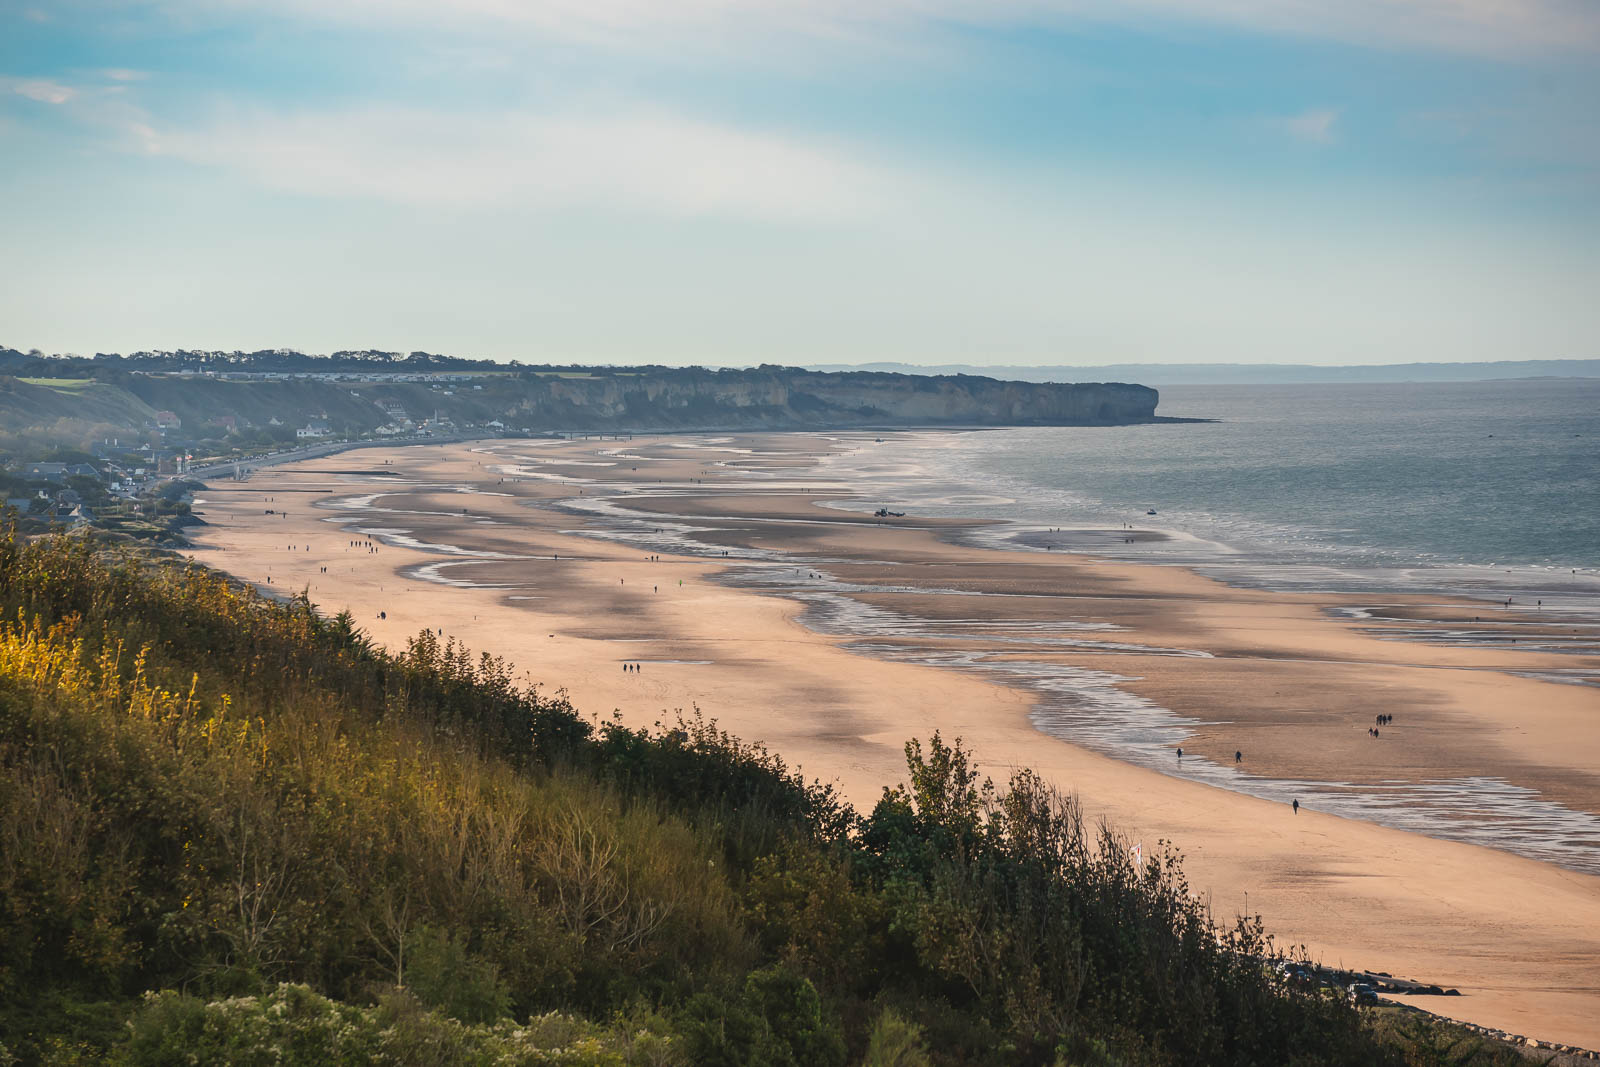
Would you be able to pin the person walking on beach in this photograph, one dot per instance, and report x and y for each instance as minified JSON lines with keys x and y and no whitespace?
{"x":1238,"y":757}
{"x":1297,"y":806}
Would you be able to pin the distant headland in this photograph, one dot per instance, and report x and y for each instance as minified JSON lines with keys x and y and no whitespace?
{"x":351,"y":394}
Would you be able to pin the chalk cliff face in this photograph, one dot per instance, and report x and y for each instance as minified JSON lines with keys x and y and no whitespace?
{"x":773,"y":397}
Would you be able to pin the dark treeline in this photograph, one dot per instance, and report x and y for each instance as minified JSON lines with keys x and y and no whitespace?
{"x":233,"y":830}
{"x":115,"y":366}
{"x":364,"y":361}
{"x":15,"y":361}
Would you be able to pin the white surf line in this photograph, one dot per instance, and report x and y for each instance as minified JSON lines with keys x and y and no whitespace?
{"x":367,"y":502}
{"x":402,"y":538}
{"x":433,"y":572}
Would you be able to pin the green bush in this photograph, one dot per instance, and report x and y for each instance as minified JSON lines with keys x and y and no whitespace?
{"x":776,"y":1020}
{"x":442,"y":974}
{"x":292,"y":1026}
{"x":894,"y":1042}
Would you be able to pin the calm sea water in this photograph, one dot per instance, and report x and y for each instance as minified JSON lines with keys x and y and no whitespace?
{"x":1479,"y":487}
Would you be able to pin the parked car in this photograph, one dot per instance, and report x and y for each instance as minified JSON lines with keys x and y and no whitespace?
{"x":1296,"y":972}
{"x":1363,"y":993}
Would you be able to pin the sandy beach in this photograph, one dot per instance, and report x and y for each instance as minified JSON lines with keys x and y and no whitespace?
{"x":547,"y":553}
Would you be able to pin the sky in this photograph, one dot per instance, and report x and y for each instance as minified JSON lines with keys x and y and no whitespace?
{"x":728,"y":182}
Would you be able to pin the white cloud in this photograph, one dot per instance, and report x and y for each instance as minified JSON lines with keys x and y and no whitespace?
{"x":108,"y":109}
{"x":40,"y":89}
{"x":647,"y":161}
{"x":1314,"y":126}
{"x":123,"y":74}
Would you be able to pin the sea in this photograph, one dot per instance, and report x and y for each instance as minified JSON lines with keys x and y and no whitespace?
{"x":1489,"y":489}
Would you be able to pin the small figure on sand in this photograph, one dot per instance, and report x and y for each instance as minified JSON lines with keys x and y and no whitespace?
{"x":1238,"y":757}
{"x":1297,"y":806}
{"x":1180,"y":753}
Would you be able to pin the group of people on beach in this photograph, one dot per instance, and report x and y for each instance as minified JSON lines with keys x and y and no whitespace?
{"x":629,"y":667}
{"x":1382,"y":720}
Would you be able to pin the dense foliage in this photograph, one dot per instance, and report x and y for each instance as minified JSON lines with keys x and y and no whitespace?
{"x":233,"y":830}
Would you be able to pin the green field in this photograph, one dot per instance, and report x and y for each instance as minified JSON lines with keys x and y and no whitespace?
{"x":70,"y":385}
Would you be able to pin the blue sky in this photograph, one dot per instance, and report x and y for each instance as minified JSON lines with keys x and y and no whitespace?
{"x":713,"y":181}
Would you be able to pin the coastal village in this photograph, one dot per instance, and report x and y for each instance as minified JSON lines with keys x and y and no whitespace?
{"x":139,"y":485}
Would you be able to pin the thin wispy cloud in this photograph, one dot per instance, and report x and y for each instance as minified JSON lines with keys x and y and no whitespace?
{"x":643,"y":160}
{"x":42,"y":90}
{"x":1311,"y":127}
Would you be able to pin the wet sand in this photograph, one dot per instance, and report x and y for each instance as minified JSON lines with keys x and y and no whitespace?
{"x":904,"y":631}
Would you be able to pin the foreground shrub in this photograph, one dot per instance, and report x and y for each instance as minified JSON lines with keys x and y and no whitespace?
{"x":894,"y":1042}
{"x":776,"y":1020}
{"x":442,"y":974}
{"x":292,"y":1026}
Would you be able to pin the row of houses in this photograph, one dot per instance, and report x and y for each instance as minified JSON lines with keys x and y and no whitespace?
{"x":57,"y":472}
{"x":79,"y":514}
{"x":115,"y":477}
{"x":399,"y":420}
{"x":378,"y":377}
{"x":62,"y":506}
